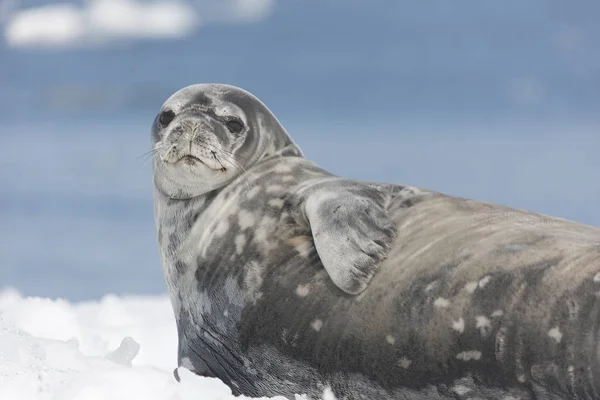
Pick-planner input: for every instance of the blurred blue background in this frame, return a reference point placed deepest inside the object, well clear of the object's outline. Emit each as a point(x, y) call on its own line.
point(494, 100)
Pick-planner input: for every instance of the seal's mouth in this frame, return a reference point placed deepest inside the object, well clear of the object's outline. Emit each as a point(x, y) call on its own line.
point(189, 159)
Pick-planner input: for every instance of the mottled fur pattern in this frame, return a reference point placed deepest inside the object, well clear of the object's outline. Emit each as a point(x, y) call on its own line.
point(473, 300)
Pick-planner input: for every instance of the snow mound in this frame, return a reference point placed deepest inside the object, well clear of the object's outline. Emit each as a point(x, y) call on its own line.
point(115, 349)
point(102, 20)
point(105, 21)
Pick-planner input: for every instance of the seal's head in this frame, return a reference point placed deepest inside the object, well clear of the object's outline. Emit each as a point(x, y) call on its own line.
point(206, 135)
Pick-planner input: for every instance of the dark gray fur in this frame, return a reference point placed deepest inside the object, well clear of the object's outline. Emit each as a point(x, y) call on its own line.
point(269, 321)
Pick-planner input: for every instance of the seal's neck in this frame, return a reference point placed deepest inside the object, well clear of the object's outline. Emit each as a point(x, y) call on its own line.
point(174, 220)
point(280, 143)
point(179, 214)
point(169, 211)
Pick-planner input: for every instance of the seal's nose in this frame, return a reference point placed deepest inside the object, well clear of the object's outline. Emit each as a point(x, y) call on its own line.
point(189, 128)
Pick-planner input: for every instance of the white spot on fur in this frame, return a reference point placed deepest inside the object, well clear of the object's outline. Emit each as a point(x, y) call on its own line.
point(246, 219)
point(431, 286)
point(287, 178)
point(555, 334)
point(390, 339)
point(459, 325)
point(511, 398)
point(328, 394)
point(302, 244)
point(234, 292)
point(240, 242)
point(253, 192)
point(404, 362)
point(461, 390)
point(253, 281)
point(469, 355)
point(483, 324)
point(277, 203)
point(317, 324)
point(471, 286)
point(597, 278)
point(275, 189)
point(222, 228)
point(304, 249)
point(226, 313)
point(498, 313)
point(484, 281)
point(233, 209)
point(282, 168)
point(303, 290)
point(441, 302)
point(521, 378)
point(264, 228)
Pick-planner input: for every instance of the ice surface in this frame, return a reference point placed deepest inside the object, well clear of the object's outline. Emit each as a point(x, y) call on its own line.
point(120, 348)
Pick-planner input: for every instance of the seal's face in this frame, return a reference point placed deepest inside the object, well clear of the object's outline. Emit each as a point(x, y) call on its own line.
point(203, 137)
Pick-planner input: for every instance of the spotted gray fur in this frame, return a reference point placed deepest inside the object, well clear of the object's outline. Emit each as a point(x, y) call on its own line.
point(472, 300)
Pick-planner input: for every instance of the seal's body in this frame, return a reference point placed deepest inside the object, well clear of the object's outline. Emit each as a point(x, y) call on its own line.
point(468, 300)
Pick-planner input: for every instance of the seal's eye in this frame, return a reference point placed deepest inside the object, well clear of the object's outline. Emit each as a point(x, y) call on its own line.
point(234, 125)
point(166, 117)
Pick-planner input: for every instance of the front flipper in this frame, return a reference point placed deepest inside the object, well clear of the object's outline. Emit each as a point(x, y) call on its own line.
point(351, 228)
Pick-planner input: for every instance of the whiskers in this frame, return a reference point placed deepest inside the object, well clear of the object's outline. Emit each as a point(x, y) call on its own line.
point(148, 155)
point(166, 153)
point(223, 156)
point(225, 161)
point(227, 157)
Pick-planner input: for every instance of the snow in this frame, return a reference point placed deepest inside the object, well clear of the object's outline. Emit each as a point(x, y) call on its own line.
point(106, 21)
point(118, 348)
point(101, 20)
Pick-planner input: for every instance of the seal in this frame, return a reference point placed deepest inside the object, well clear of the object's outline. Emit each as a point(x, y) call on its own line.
point(286, 279)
